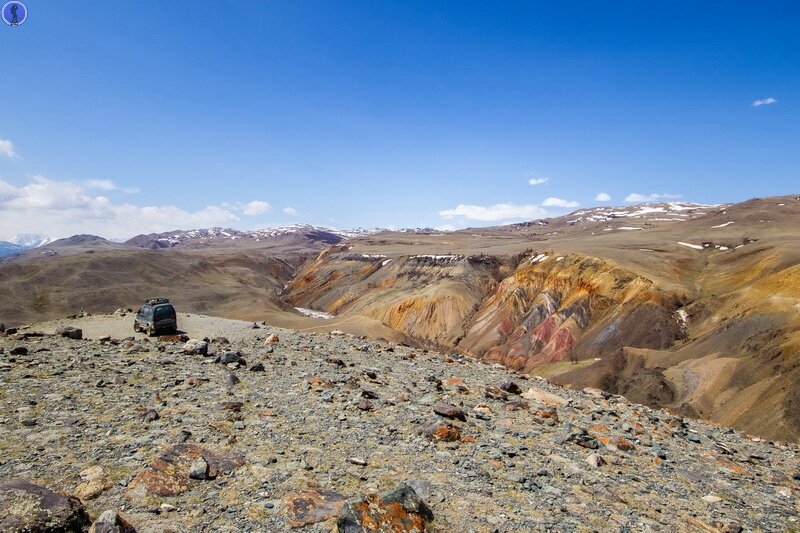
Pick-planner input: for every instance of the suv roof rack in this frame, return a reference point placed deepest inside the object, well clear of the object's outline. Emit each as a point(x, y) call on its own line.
point(156, 301)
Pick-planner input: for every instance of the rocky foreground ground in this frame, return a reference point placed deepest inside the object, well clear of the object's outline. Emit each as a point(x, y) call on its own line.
point(270, 430)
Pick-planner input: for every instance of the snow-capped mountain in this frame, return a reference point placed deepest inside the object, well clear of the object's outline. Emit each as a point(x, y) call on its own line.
point(21, 242)
point(223, 236)
point(30, 240)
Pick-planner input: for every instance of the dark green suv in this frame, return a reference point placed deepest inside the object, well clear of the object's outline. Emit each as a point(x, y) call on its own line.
point(157, 314)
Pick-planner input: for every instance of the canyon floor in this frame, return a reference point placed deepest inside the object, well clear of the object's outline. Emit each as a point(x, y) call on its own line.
point(289, 429)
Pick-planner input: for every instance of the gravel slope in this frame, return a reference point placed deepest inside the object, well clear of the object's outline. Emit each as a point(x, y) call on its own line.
point(340, 414)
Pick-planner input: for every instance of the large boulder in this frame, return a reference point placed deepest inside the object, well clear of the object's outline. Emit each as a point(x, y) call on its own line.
point(70, 332)
point(399, 510)
point(26, 507)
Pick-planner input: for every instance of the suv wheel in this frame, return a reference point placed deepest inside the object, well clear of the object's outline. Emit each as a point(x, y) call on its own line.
point(151, 331)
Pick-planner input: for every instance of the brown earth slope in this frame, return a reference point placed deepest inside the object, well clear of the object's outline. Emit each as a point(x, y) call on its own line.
point(698, 312)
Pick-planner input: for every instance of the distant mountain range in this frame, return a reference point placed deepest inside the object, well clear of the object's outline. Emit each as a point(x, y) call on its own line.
point(205, 237)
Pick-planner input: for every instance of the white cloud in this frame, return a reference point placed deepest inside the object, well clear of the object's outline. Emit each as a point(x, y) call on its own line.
point(63, 208)
point(764, 101)
point(104, 185)
point(636, 197)
point(108, 185)
point(559, 202)
point(495, 212)
point(7, 149)
point(602, 197)
point(290, 211)
point(538, 180)
point(256, 207)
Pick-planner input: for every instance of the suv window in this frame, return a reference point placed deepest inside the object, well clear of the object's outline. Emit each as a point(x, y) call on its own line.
point(164, 311)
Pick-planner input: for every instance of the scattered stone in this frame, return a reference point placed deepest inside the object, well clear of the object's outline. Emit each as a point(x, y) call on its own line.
point(511, 387)
point(198, 469)
point(150, 415)
point(18, 350)
point(195, 347)
point(482, 411)
point(659, 452)
point(357, 461)
point(271, 339)
point(710, 498)
point(25, 507)
point(70, 332)
point(450, 411)
point(94, 483)
point(231, 380)
point(493, 393)
point(399, 510)
point(438, 430)
point(258, 367)
point(111, 522)
point(368, 394)
point(544, 397)
point(311, 507)
point(579, 436)
point(595, 460)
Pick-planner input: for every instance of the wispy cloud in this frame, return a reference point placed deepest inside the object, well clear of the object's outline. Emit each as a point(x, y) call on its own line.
point(559, 202)
point(7, 149)
point(495, 212)
point(63, 208)
point(256, 207)
point(602, 197)
point(765, 101)
point(108, 185)
point(290, 211)
point(538, 180)
point(636, 197)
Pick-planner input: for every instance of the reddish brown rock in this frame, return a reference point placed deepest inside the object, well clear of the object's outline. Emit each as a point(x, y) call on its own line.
point(365, 406)
point(317, 383)
point(515, 406)
point(29, 508)
point(437, 430)
point(169, 474)
point(311, 506)
point(450, 411)
point(617, 443)
point(493, 393)
point(173, 338)
point(271, 339)
point(399, 510)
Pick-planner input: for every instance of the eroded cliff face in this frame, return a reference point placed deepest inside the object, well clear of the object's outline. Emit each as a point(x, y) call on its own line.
point(520, 311)
point(559, 307)
point(430, 298)
point(727, 351)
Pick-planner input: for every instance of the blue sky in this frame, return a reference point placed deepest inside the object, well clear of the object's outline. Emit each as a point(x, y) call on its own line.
point(121, 118)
